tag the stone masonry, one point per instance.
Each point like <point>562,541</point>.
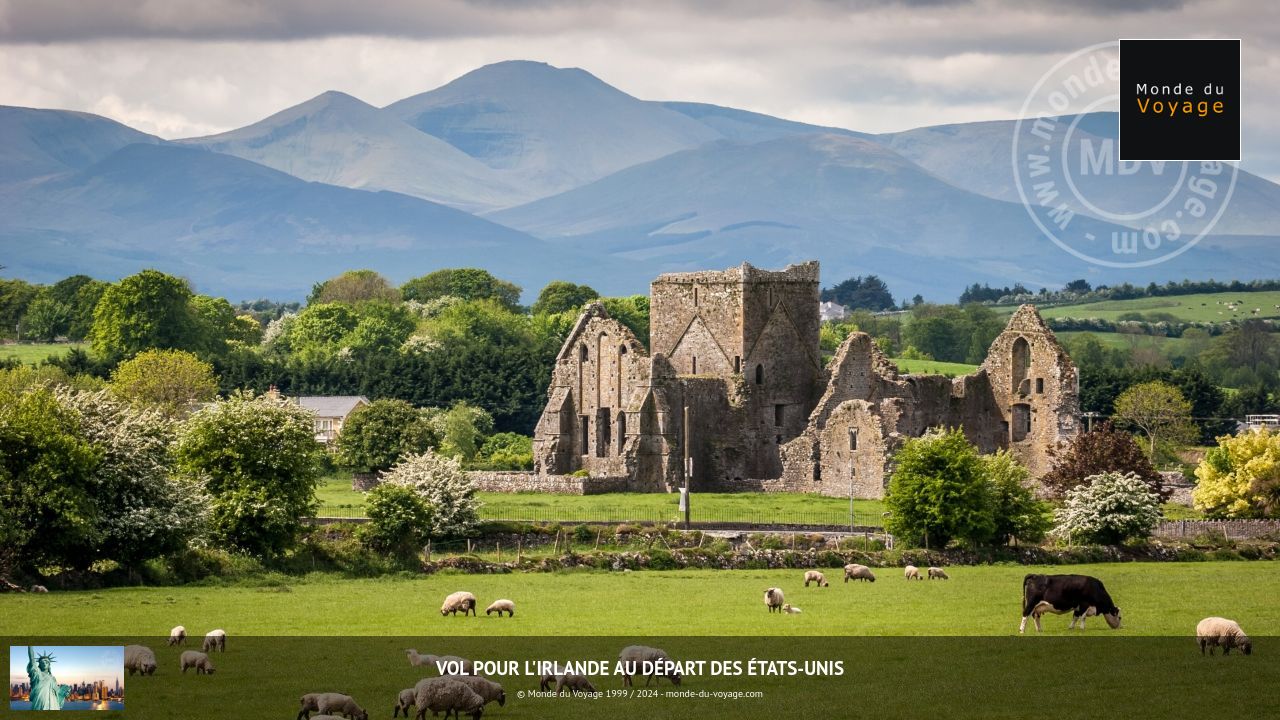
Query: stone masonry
<point>737,352</point>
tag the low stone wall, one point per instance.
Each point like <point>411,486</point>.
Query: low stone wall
<point>1232,529</point>
<point>529,481</point>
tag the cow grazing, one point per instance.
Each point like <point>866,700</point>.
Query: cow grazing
<point>1081,595</point>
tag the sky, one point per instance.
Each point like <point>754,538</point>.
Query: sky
<point>179,68</point>
<point>72,664</point>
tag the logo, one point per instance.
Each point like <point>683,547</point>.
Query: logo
<point>1082,196</point>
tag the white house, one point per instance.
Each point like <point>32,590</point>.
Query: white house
<point>331,412</point>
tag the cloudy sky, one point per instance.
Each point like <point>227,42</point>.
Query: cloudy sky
<point>178,68</point>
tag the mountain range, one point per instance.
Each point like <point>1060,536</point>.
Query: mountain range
<point>540,173</point>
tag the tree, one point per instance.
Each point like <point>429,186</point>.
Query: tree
<point>1104,449</point>
<point>869,293</point>
<point>464,283</point>
<point>172,381</point>
<point>632,311</point>
<point>1159,411</point>
<point>320,328</point>
<point>257,458</point>
<point>939,491</point>
<point>1111,509</point>
<point>353,287</point>
<point>1016,511</point>
<point>144,311</point>
<point>506,451</point>
<point>15,296</point>
<point>447,492</point>
<point>560,296</point>
<point>1240,478</point>
<point>462,430</point>
<point>377,435</point>
<point>1078,286</point>
<point>46,318</point>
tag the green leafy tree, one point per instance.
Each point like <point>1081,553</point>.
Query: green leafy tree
<point>1104,449</point>
<point>1111,509</point>
<point>1240,478</point>
<point>400,520</point>
<point>1016,511</point>
<point>632,311</point>
<point>1159,412</point>
<point>447,492</point>
<point>149,310</point>
<point>506,451</point>
<point>320,328</point>
<point>939,492</point>
<point>381,328</point>
<point>867,293</point>
<point>171,381</point>
<point>15,296</point>
<point>560,296</point>
<point>464,283</point>
<point>46,318</point>
<point>258,460</point>
<point>377,435</point>
<point>462,430</point>
<point>354,287</point>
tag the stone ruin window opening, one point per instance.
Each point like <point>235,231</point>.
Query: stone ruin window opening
<point>1020,364</point>
<point>695,364</point>
<point>1021,421</point>
<point>604,426</point>
<point>622,430</point>
<point>779,413</point>
<point>695,296</point>
<point>853,439</point>
<point>1039,386</point>
<point>585,431</point>
<point>737,363</point>
<point>759,374</point>
<point>583,353</point>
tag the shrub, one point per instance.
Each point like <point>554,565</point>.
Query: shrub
<point>1016,511</point>
<point>506,451</point>
<point>1241,477</point>
<point>1112,508</point>
<point>169,380</point>
<point>1105,449</point>
<point>446,491</point>
<point>939,492</point>
<point>400,520</point>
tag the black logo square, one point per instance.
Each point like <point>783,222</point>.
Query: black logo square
<point>1180,100</point>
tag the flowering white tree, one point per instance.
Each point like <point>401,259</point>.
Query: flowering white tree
<point>1109,509</point>
<point>444,487</point>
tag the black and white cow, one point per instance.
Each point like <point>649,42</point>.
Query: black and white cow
<point>1080,595</point>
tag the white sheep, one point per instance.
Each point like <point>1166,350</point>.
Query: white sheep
<point>484,687</point>
<point>858,572</point>
<point>501,606</point>
<point>938,574</point>
<point>660,665</point>
<point>911,572</point>
<point>435,661</point>
<point>815,576</point>
<point>177,636</point>
<point>215,640</point>
<point>447,694</point>
<point>39,589</point>
<point>197,660</point>
<point>791,609</point>
<point>139,659</point>
<point>773,599</point>
<point>460,601</point>
<point>331,703</point>
<point>1213,632</point>
<point>574,684</point>
<point>404,701</point>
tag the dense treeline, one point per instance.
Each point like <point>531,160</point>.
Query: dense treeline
<point>1080,291</point>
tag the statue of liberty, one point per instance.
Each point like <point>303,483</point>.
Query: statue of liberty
<point>46,693</point>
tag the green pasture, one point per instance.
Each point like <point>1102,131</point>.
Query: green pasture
<point>933,367</point>
<point>1203,307</point>
<point>32,353</point>
<point>1168,346</point>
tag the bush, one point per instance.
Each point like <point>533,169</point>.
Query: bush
<point>1241,477</point>
<point>446,491</point>
<point>1111,509</point>
<point>506,451</point>
<point>1103,450</point>
<point>1016,511</point>
<point>377,435</point>
<point>399,520</point>
<point>939,492</point>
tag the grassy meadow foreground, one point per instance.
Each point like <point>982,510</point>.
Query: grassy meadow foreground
<point>1157,599</point>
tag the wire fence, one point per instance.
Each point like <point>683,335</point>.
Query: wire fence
<point>650,516</point>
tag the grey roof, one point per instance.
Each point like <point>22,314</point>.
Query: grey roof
<point>331,406</point>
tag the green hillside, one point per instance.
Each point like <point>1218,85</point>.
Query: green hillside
<point>1204,307</point>
<point>933,367</point>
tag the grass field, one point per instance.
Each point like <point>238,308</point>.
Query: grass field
<point>964,658</point>
<point>1167,346</point>
<point>934,367</point>
<point>33,353</point>
<point>1204,307</point>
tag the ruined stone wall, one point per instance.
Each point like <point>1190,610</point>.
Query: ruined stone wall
<point>705,306</point>
<point>530,481</point>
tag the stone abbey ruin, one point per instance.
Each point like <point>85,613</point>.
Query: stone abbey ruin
<point>736,352</point>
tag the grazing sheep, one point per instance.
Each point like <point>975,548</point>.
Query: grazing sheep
<point>460,601</point>
<point>403,702</point>
<point>815,576</point>
<point>197,660</point>
<point>331,703</point>
<point>773,599</point>
<point>1213,632</point>
<point>640,654</point>
<point>215,640</point>
<point>911,572</point>
<point>484,687</point>
<point>434,661</point>
<point>39,589</point>
<point>937,573</point>
<point>858,572</point>
<point>449,695</point>
<point>177,636</point>
<point>139,659</point>
<point>791,609</point>
<point>549,679</point>
<point>575,684</point>
<point>501,606</point>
